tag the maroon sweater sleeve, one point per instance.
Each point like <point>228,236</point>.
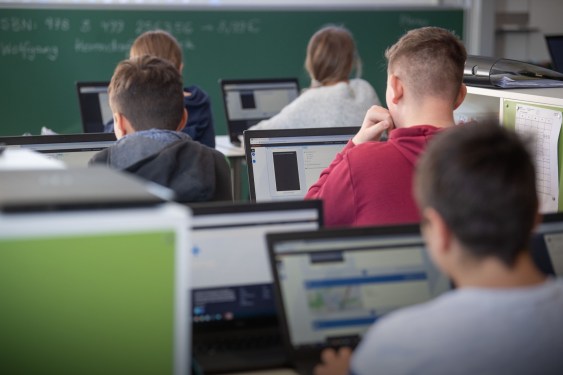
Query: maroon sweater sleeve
<point>335,188</point>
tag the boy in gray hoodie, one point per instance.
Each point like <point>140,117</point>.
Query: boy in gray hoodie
<point>146,97</point>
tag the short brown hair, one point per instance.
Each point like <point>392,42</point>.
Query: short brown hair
<point>481,180</point>
<point>148,91</point>
<point>158,43</point>
<point>331,55</point>
<point>431,60</point>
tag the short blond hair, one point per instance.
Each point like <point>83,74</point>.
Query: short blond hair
<point>331,55</point>
<point>158,43</point>
<point>431,60</point>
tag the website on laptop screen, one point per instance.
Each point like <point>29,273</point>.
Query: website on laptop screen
<point>337,288</point>
<point>232,279</point>
<point>249,102</point>
<point>286,167</point>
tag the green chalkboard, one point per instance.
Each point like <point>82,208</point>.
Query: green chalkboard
<point>43,52</point>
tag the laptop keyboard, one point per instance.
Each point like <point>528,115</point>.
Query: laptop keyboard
<point>237,343</point>
<point>239,351</point>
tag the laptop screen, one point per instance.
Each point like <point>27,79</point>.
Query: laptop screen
<point>75,150</point>
<point>283,164</point>
<point>547,244</point>
<point>555,47</point>
<point>232,280</point>
<point>334,284</point>
<point>88,291</point>
<point>95,111</point>
<point>250,101</point>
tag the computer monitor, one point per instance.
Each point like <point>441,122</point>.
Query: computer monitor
<point>95,291</point>
<point>332,285</point>
<point>232,283</point>
<point>547,244</point>
<point>95,111</point>
<point>555,47</point>
<point>249,101</point>
<point>75,150</point>
<point>283,164</point>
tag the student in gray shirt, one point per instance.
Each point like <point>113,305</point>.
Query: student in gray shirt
<point>476,189</point>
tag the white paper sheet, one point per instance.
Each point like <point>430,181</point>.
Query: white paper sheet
<point>542,126</point>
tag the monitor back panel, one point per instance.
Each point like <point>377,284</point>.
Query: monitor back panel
<point>95,292</point>
<point>249,101</point>
<point>233,298</point>
<point>284,164</point>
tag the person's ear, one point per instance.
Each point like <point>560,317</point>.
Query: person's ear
<point>181,67</point>
<point>397,88</point>
<point>119,125</point>
<point>437,234</point>
<point>183,121</point>
<point>460,95</point>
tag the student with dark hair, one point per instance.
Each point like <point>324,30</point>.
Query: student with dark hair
<point>162,44</point>
<point>147,101</point>
<point>370,182</point>
<point>334,98</point>
<point>476,190</point>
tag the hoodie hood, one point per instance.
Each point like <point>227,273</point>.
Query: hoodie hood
<point>199,112</point>
<point>170,159</point>
<point>411,141</point>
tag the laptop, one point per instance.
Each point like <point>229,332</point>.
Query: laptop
<point>555,47</point>
<point>283,164</point>
<point>58,189</point>
<point>95,291</point>
<point>235,321</point>
<point>95,111</point>
<point>332,285</point>
<point>547,245</point>
<point>75,150</point>
<point>249,101</point>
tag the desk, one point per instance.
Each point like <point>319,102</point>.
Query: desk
<point>236,158</point>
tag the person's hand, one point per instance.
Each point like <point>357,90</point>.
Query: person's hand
<point>376,121</point>
<point>333,362</point>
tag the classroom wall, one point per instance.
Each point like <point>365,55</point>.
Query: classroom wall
<point>524,40</point>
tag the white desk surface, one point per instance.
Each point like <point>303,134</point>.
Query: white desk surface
<point>223,144</point>
<point>16,158</point>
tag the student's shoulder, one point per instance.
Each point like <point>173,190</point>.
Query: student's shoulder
<point>368,149</point>
<point>360,82</point>
<point>423,315</point>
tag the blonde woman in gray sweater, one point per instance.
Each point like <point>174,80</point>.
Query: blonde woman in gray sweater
<point>333,98</point>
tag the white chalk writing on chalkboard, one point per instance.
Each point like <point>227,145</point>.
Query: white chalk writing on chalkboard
<point>57,24</point>
<point>410,21</point>
<point>183,30</point>
<point>16,25</point>
<point>113,46</point>
<point>29,51</point>
<point>174,27</point>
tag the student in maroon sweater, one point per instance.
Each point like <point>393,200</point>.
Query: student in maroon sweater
<point>370,182</point>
